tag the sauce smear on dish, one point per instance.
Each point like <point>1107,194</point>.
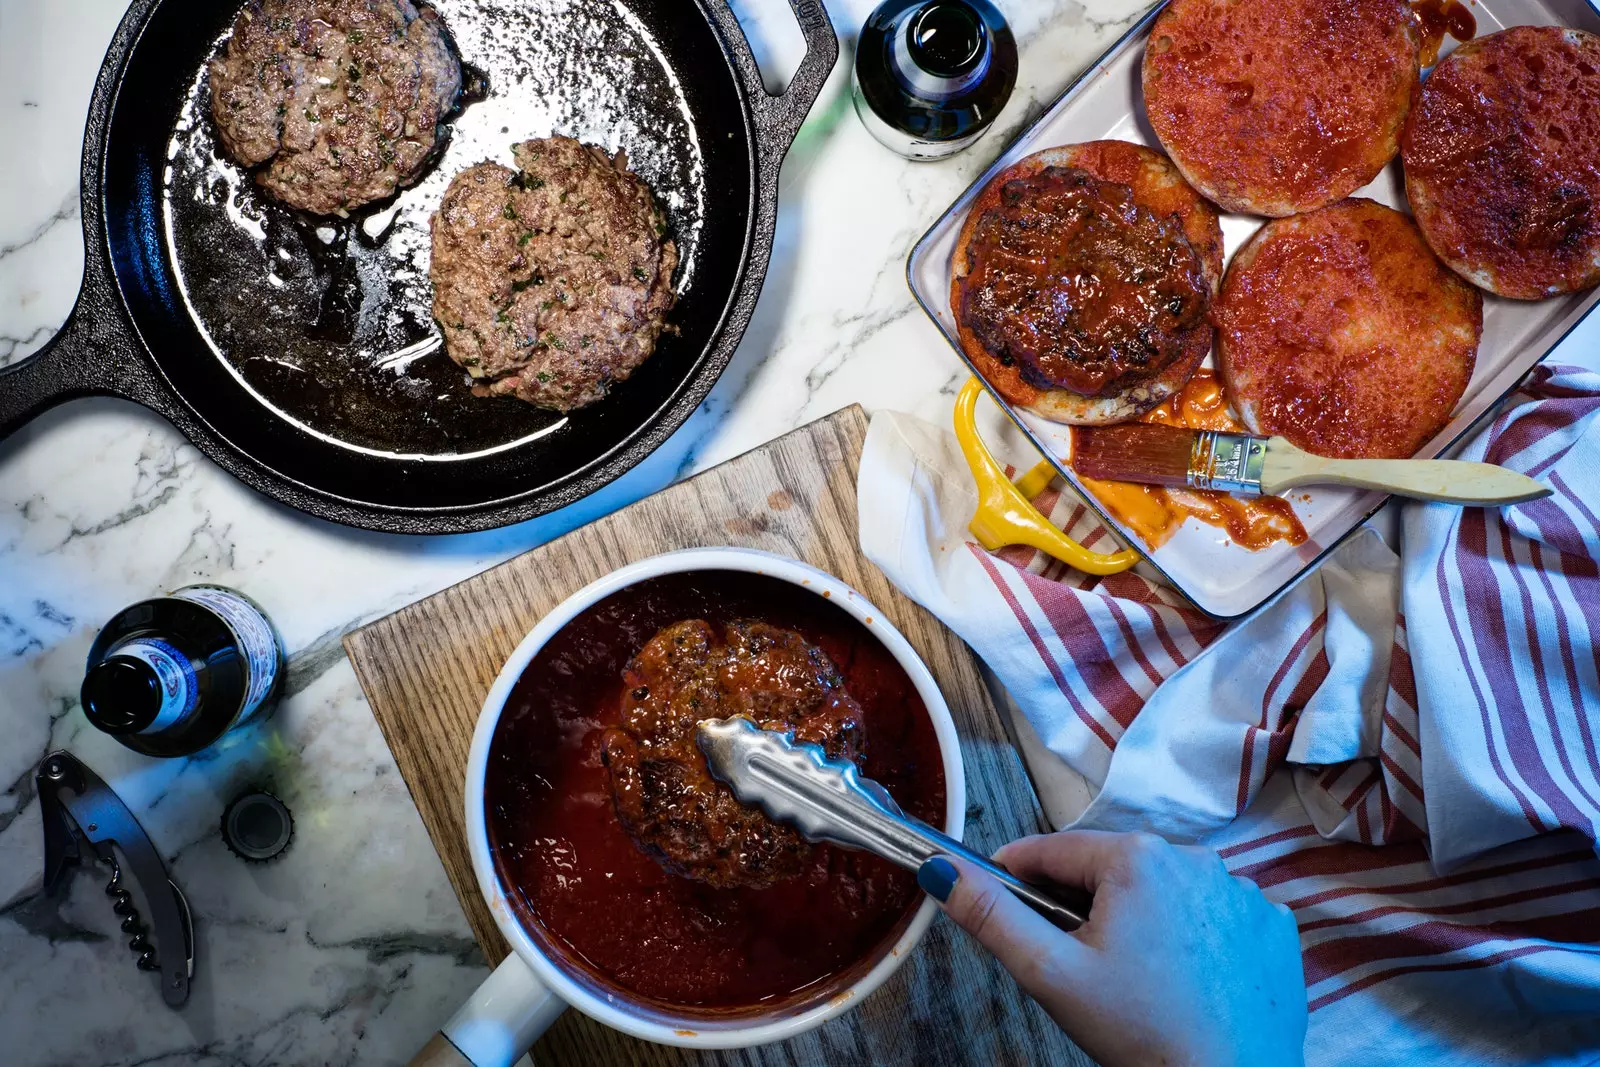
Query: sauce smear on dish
<point>1435,19</point>
<point>1155,512</point>
<point>587,894</point>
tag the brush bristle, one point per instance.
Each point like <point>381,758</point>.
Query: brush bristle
<point>1133,452</point>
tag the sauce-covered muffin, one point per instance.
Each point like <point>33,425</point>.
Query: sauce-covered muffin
<point>1502,161</point>
<point>1340,330</point>
<point>1081,281</point>
<point>1271,107</point>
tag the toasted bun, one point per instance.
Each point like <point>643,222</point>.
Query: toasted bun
<point>1502,161</point>
<point>1157,186</point>
<point>1270,107</point>
<point>1340,330</point>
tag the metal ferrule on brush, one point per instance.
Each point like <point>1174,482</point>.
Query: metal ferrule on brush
<point>1227,462</point>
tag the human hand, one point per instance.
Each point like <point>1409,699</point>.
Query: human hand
<point>1179,962</point>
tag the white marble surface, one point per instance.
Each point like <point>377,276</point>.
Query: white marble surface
<point>351,948</point>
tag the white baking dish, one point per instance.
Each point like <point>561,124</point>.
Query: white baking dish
<point>1222,578</point>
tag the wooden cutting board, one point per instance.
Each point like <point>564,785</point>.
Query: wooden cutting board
<point>427,668</point>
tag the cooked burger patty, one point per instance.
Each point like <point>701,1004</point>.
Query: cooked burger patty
<point>1340,330</point>
<point>552,281</point>
<point>343,100</point>
<point>1077,288</point>
<point>665,796</point>
<point>1270,107</point>
<point>1502,161</point>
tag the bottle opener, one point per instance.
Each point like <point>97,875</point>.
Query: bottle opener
<point>77,804</point>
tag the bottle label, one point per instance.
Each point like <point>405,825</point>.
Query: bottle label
<point>257,644</point>
<point>180,690</point>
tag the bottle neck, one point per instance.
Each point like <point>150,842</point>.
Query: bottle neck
<point>144,686</point>
<point>941,50</point>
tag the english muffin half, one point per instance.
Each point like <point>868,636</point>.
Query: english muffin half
<point>1340,330</point>
<point>1271,107</point>
<point>1082,279</point>
<point>1502,161</point>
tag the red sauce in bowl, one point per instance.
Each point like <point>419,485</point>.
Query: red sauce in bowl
<point>592,900</point>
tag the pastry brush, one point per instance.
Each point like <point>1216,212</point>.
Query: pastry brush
<point>1153,454</point>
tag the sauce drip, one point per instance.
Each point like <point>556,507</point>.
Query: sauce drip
<point>588,896</point>
<point>1435,18</point>
<point>1156,512</point>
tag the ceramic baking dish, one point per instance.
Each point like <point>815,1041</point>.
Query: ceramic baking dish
<point>1220,577</point>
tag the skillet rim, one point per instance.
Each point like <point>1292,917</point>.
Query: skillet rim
<point>120,361</point>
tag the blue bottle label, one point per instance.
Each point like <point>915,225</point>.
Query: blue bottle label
<point>257,643</point>
<point>180,691</point>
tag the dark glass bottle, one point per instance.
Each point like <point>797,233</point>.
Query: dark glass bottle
<point>171,675</point>
<point>931,75</point>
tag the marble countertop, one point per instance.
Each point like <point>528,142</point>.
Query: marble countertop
<point>351,948</point>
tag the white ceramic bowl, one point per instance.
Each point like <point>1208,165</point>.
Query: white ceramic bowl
<point>528,991</point>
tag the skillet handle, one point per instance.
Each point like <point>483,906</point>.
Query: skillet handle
<point>40,381</point>
<point>778,118</point>
<point>91,355</point>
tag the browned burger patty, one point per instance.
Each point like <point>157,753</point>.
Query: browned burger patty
<point>1340,330</point>
<point>552,281</point>
<point>1502,161</point>
<point>343,100</point>
<point>1270,107</point>
<point>1081,281</point>
<point>665,796</point>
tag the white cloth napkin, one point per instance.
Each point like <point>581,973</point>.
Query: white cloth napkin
<point>1400,747</point>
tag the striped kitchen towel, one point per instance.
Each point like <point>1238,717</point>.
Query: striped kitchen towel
<point>1399,748</point>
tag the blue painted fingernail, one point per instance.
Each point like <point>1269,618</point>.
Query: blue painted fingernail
<point>937,877</point>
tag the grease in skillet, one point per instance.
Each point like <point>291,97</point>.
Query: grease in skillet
<point>586,893</point>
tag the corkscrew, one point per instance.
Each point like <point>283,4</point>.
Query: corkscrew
<point>78,806</point>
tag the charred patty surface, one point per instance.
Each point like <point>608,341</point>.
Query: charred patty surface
<point>1270,107</point>
<point>664,793</point>
<point>1156,188</point>
<point>1074,283</point>
<point>1340,330</point>
<point>554,280</point>
<point>1502,161</point>
<point>342,100</point>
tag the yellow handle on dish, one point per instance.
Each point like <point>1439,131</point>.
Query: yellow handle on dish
<point>1005,516</point>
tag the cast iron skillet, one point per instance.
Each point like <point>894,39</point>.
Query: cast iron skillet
<point>296,351</point>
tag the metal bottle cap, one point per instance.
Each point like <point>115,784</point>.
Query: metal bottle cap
<point>257,827</point>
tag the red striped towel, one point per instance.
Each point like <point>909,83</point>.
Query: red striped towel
<point>1399,748</point>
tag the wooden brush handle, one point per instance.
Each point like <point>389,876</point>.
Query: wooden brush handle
<point>1447,480</point>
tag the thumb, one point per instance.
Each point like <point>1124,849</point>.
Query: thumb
<point>1025,942</point>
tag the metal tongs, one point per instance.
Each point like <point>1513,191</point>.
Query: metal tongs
<point>77,803</point>
<point>828,801</point>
